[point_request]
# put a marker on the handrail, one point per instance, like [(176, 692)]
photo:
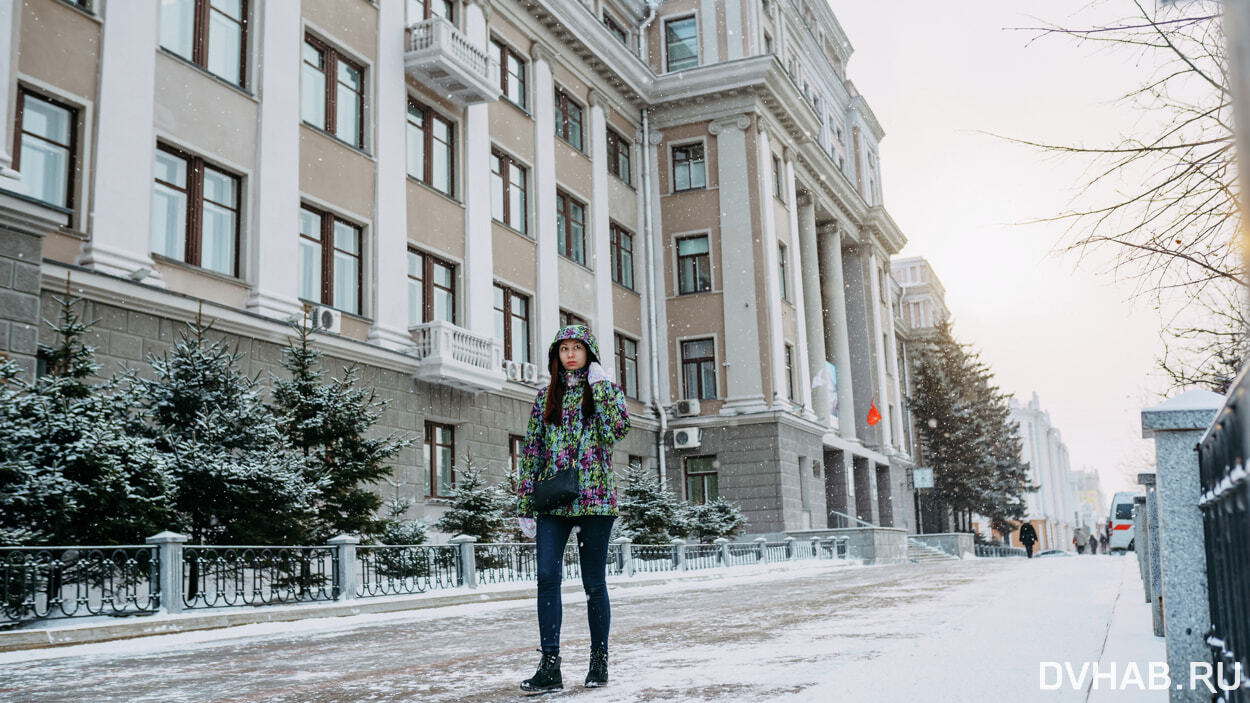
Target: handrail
[(865, 523)]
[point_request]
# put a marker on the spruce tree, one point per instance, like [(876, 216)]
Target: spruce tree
[(478, 509), (328, 423), (717, 518), (649, 512), (236, 479)]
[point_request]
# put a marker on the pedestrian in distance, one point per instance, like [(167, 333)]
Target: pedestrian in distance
[(1028, 537), (1093, 544), (575, 422), (1078, 540), (1103, 541)]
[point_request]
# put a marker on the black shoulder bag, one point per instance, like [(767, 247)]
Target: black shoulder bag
[(555, 492)]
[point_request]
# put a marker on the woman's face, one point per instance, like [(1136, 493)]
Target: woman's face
[(572, 354)]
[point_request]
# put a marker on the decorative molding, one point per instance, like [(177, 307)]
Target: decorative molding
[(542, 52), (739, 122), (655, 138), (484, 4), (598, 100)]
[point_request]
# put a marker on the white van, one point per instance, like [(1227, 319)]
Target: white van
[(1120, 524)]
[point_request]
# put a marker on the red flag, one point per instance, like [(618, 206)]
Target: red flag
[(874, 415)]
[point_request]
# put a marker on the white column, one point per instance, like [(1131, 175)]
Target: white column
[(801, 286), (479, 264), (708, 37), (390, 219), (642, 263), (742, 356), (733, 30), (656, 260), (900, 438), (772, 278), (274, 235), (10, 30), (121, 220), (804, 219), (834, 300), (878, 343), (600, 234), (544, 186)]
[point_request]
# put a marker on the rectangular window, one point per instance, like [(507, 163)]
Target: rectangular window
[(419, 10), (195, 212), (615, 29), (568, 119), (622, 245), (46, 132), (779, 185), (431, 289), (209, 33), (701, 483), (515, 445), (329, 260), (511, 72), (570, 228), (689, 169), (789, 372), (333, 90), (440, 452), (698, 369), (507, 191), (627, 365), (571, 318), (681, 37), (512, 323), (431, 148), (782, 279), (694, 266), (619, 163)]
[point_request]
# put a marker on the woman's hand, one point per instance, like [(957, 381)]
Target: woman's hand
[(529, 527), (597, 373)]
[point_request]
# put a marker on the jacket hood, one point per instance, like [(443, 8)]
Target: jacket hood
[(582, 334)]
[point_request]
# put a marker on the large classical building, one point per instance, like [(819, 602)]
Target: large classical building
[(1054, 508), (443, 183)]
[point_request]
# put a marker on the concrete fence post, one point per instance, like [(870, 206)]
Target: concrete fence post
[(761, 546), (724, 550), (627, 555), (468, 561), (1177, 426), (815, 547), (169, 556), (679, 554), (790, 551), (345, 553)]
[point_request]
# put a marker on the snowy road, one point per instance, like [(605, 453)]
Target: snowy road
[(951, 631)]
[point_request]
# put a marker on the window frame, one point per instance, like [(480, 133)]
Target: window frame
[(788, 361), (616, 29), (673, 162), (511, 163), (617, 234), (681, 289), (193, 247), (506, 51), (620, 149), (687, 474), (431, 450), (200, 35), (71, 168), (429, 115), (622, 357), (508, 294), (698, 361), (564, 211), (568, 317), (779, 190), (565, 106), (668, 45), (428, 262), (427, 10), (331, 56), (782, 272), (327, 258), (516, 445)]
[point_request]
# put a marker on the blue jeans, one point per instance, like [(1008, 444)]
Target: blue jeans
[(592, 549)]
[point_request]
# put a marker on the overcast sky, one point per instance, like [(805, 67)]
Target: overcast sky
[(941, 78)]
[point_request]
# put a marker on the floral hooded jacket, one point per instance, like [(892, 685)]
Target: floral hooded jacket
[(575, 444)]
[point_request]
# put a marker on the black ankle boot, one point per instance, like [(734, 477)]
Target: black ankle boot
[(547, 678), (598, 675)]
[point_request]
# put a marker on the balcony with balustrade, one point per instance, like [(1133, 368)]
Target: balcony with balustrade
[(441, 57), (454, 356)]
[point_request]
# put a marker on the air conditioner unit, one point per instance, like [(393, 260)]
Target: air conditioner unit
[(687, 408), (326, 319), (687, 438), (513, 369), (530, 373)]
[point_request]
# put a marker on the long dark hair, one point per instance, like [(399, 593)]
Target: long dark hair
[(555, 392)]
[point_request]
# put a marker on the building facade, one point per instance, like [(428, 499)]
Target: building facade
[(441, 184), (1053, 509)]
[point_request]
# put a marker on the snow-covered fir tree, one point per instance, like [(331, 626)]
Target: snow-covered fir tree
[(478, 509), (717, 518), (236, 478), (72, 470), (650, 514), (397, 529), (330, 424)]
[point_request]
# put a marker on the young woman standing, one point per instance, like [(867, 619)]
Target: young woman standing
[(575, 422)]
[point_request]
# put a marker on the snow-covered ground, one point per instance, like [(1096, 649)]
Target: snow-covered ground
[(977, 630)]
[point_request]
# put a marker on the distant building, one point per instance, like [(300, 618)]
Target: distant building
[(1053, 508), (923, 299), (1091, 504)]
